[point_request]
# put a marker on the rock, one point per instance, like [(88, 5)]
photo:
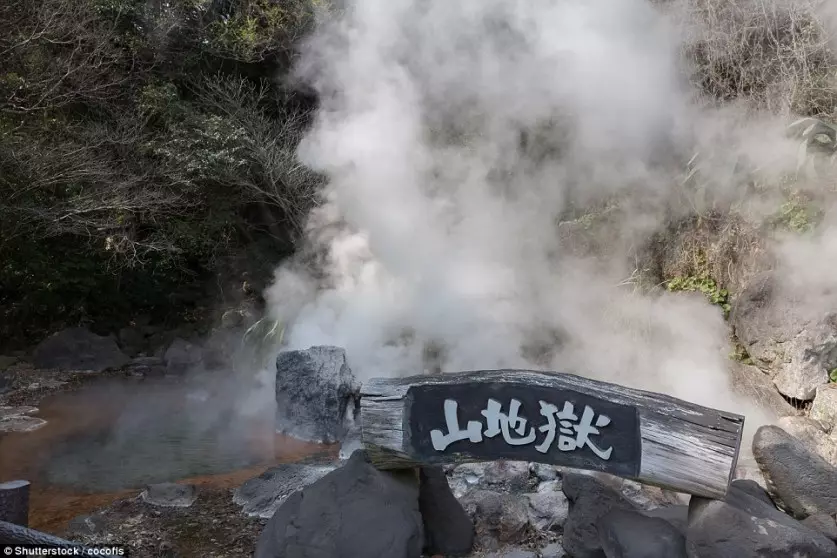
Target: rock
[(261, 496), (822, 523), (799, 480), (131, 340), (590, 499), (466, 477), (182, 356), (7, 362), (811, 433), (87, 525), (78, 349), (750, 382), (543, 472), (512, 552), (18, 419), (548, 509), (677, 516), (6, 383), (512, 476), (745, 526), (629, 534), (447, 528), (824, 408), (170, 495), (752, 489), (146, 367), (498, 518), (553, 550), (315, 389), (355, 510), (649, 497), (799, 348)]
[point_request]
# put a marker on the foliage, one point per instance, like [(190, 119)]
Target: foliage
[(142, 153), (703, 283)]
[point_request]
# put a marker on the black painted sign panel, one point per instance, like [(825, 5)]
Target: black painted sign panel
[(518, 421)]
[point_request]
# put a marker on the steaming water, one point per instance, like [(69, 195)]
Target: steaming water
[(123, 434)]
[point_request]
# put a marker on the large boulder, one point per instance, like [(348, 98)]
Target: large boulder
[(824, 408), (355, 510), (799, 480), (447, 528), (749, 381), (79, 349), (630, 534), (811, 433), (182, 356), (261, 496), (315, 389), (797, 346), (746, 525), (590, 499)]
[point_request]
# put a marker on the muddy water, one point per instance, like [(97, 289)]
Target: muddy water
[(109, 439)]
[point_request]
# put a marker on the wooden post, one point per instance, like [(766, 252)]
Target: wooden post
[(554, 418)]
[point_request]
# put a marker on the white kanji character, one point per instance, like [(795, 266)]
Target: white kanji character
[(441, 441), (566, 418), (586, 428), (548, 410), (500, 422)]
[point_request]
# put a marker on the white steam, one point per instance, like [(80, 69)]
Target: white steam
[(455, 135)]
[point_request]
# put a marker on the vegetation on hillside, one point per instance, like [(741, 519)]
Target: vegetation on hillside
[(147, 155)]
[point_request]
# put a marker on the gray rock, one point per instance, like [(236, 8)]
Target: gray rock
[(824, 408), (548, 509), (147, 367), (19, 419), (87, 526), (543, 472), (498, 518), (355, 510), (630, 534), (447, 528), (7, 362), (170, 495), (811, 433), (182, 356), (131, 340), (752, 489), (466, 477), (6, 383), (677, 516), (315, 390), (512, 552), (799, 348), (649, 497), (261, 496), (512, 476), (822, 523), (799, 480), (590, 499), (78, 349), (751, 382), (553, 550), (744, 526)]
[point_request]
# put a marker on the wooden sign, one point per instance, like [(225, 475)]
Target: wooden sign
[(547, 417)]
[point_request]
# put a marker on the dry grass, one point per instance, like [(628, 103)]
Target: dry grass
[(772, 54)]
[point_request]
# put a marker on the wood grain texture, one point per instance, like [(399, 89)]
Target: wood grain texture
[(684, 447)]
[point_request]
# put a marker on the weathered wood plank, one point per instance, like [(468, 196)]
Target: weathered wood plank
[(653, 438)]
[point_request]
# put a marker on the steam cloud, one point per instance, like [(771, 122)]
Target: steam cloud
[(456, 136)]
